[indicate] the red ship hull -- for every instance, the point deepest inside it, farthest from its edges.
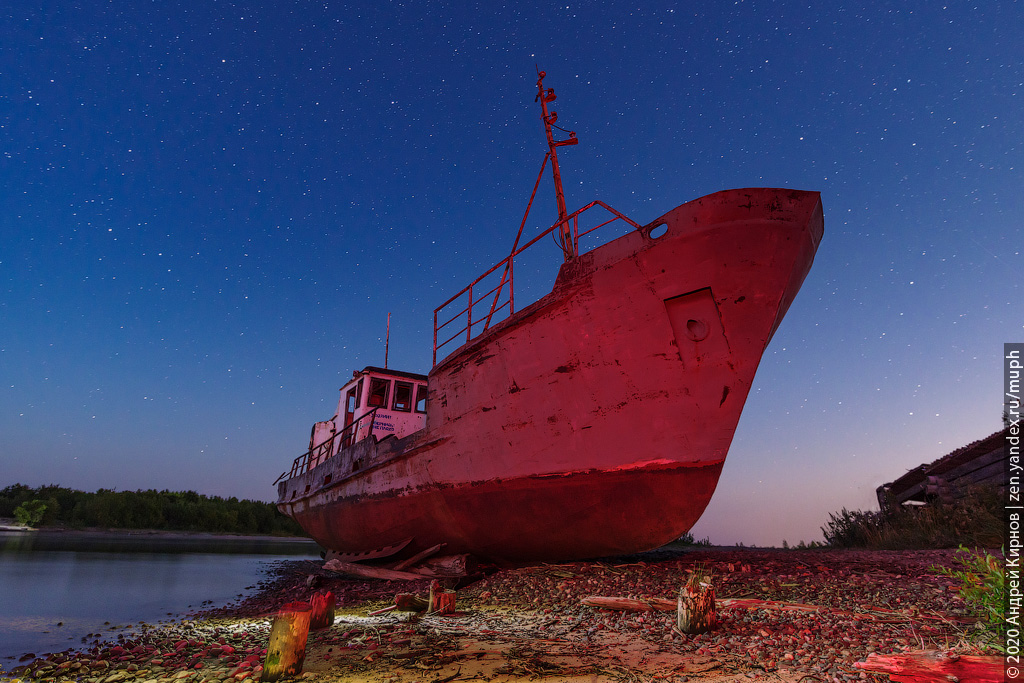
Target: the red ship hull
(597, 420)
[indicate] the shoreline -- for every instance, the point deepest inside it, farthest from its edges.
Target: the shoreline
(526, 621)
(7, 524)
(44, 539)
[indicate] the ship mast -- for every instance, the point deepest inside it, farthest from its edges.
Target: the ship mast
(564, 231)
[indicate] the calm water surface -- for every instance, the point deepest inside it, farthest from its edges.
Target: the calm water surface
(86, 589)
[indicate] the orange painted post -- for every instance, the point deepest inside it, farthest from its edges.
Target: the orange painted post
(287, 646)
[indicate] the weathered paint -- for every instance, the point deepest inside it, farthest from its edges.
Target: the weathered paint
(597, 419)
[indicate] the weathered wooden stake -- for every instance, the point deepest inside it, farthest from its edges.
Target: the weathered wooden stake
(323, 611)
(287, 646)
(695, 608)
(441, 601)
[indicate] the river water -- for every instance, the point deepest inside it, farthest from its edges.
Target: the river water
(51, 598)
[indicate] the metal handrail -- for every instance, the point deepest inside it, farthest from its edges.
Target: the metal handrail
(301, 463)
(507, 281)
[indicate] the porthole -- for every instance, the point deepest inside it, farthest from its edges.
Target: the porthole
(658, 231)
(696, 330)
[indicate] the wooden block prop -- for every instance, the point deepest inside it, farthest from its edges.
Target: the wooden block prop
(323, 611)
(935, 667)
(442, 600)
(287, 646)
(695, 608)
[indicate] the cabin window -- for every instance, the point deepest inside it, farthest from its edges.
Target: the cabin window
(351, 403)
(403, 397)
(421, 398)
(378, 393)
(359, 393)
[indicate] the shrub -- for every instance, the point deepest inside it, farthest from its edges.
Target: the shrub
(974, 519)
(687, 539)
(982, 584)
(30, 513)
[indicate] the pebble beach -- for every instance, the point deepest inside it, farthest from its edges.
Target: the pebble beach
(531, 623)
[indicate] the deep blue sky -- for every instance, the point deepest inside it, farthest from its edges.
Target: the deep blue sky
(207, 210)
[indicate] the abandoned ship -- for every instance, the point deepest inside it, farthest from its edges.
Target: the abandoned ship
(591, 422)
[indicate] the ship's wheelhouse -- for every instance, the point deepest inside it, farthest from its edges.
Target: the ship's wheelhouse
(375, 401)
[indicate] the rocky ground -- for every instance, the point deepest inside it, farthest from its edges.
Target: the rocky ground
(529, 623)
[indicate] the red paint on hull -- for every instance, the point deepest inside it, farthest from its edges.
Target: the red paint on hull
(595, 420)
(541, 518)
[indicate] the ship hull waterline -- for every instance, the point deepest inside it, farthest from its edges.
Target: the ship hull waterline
(596, 421)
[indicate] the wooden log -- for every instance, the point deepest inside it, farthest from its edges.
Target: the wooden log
(286, 648)
(752, 603)
(323, 611)
(451, 566)
(366, 572)
(418, 557)
(926, 666)
(695, 607)
(663, 605)
(442, 600)
(630, 605)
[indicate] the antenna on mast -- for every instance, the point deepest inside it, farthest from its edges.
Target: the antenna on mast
(545, 96)
(387, 341)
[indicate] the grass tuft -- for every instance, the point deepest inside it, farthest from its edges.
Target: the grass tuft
(982, 581)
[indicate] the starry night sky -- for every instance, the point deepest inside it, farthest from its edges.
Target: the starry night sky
(207, 210)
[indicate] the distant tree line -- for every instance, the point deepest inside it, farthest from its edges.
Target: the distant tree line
(165, 510)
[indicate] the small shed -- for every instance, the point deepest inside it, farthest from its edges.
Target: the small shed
(979, 463)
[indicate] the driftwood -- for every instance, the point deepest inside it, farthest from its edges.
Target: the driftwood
(286, 648)
(630, 605)
(663, 605)
(407, 602)
(366, 572)
(418, 557)
(751, 603)
(925, 666)
(404, 602)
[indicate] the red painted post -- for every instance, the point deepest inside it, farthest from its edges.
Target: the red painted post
(469, 316)
(323, 611)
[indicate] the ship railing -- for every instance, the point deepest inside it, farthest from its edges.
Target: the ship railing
(325, 449)
(472, 317)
